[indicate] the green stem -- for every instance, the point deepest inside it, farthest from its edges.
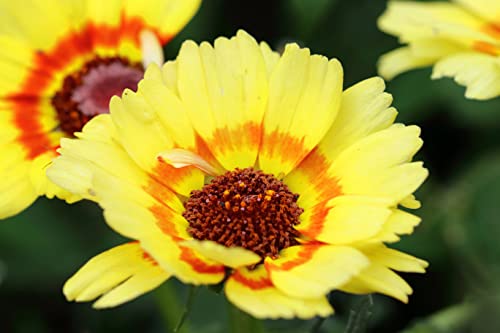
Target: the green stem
(317, 325)
(187, 308)
(359, 316)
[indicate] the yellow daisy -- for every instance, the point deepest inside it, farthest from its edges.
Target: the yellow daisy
(461, 39)
(233, 163)
(60, 63)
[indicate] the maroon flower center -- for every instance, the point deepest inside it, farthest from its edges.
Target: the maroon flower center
(246, 208)
(86, 92)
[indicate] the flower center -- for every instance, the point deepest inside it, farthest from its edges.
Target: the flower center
(86, 92)
(246, 208)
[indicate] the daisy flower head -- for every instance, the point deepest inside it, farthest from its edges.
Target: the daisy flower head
(61, 61)
(235, 165)
(461, 39)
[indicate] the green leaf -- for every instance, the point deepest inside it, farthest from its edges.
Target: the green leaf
(472, 229)
(449, 320)
(308, 15)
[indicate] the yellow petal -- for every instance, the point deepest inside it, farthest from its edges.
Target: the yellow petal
(139, 129)
(411, 202)
(253, 292)
(411, 20)
(14, 64)
(167, 16)
(365, 109)
(380, 279)
(159, 92)
(311, 271)
(399, 223)
(488, 9)
(16, 190)
(377, 165)
(233, 257)
(24, 24)
(480, 73)
(120, 275)
(41, 182)
(401, 60)
(393, 259)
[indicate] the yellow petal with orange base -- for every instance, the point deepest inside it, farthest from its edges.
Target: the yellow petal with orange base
(144, 136)
(304, 98)
(97, 167)
(215, 81)
(348, 219)
(188, 265)
(365, 109)
(310, 271)
(253, 292)
(233, 257)
(117, 275)
(372, 169)
(480, 73)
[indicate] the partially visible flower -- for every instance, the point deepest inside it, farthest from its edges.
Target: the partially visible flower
(461, 39)
(60, 63)
(235, 164)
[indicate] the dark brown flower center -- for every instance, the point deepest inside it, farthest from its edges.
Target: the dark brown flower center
(246, 208)
(86, 92)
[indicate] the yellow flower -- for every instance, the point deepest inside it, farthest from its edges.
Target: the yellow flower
(461, 40)
(235, 163)
(60, 63)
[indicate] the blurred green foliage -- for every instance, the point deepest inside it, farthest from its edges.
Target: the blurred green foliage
(43, 246)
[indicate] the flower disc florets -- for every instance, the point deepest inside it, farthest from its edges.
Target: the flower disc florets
(246, 208)
(86, 92)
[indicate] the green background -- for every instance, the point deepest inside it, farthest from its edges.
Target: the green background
(459, 236)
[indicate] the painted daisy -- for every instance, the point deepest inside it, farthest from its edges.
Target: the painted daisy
(461, 39)
(235, 165)
(61, 61)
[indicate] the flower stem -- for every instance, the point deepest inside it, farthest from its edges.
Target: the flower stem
(359, 316)
(317, 325)
(187, 308)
